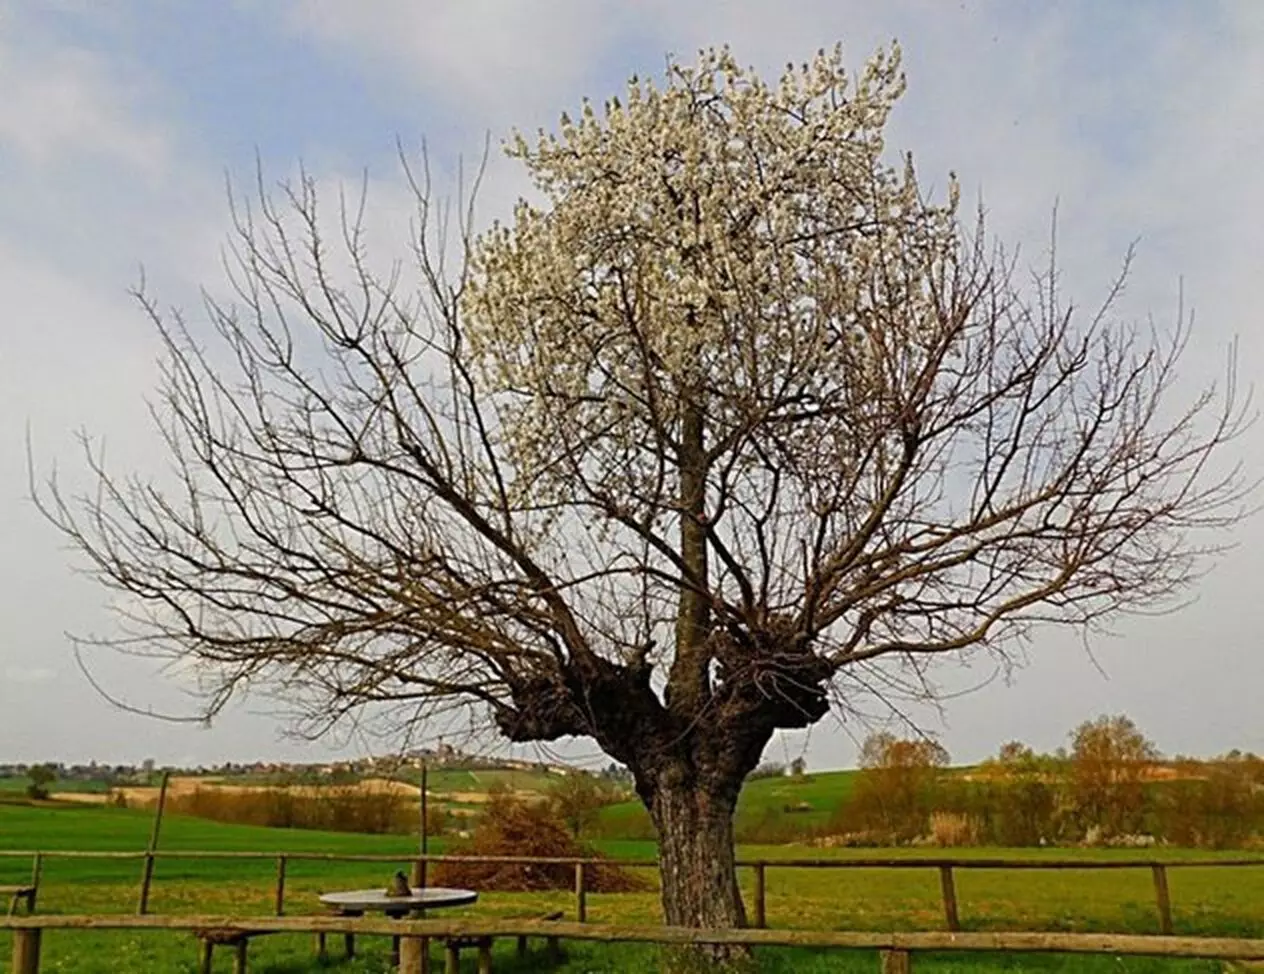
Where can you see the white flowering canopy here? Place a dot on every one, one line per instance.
(722, 242)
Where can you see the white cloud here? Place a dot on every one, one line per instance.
(68, 102)
(498, 63)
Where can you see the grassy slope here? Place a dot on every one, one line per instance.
(763, 796)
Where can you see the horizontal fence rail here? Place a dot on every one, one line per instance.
(945, 866)
(894, 948)
(927, 862)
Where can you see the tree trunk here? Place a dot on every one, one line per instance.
(696, 855)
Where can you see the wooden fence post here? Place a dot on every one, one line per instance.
(896, 961)
(949, 889)
(26, 951)
(1162, 897)
(414, 955)
(37, 867)
(280, 886)
(761, 911)
(146, 877)
(581, 895)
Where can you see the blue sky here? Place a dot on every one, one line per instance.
(119, 121)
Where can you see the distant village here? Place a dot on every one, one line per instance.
(407, 764)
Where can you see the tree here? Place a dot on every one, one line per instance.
(894, 792)
(1110, 763)
(1022, 799)
(577, 800)
(41, 776)
(735, 422)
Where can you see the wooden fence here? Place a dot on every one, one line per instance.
(895, 949)
(945, 867)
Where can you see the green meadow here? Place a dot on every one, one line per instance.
(1206, 900)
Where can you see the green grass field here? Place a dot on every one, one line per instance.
(18, 785)
(814, 798)
(1206, 900)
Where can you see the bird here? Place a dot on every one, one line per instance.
(399, 886)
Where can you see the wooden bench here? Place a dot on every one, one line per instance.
(454, 945)
(16, 895)
(237, 939)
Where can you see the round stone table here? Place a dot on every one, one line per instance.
(357, 902)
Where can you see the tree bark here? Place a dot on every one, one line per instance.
(694, 819)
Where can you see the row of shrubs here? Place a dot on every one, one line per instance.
(1221, 810)
(339, 808)
(1110, 788)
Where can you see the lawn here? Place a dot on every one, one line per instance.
(1205, 900)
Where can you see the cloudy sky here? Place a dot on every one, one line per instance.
(120, 122)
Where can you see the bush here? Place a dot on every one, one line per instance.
(512, 827)
(341, 808)
(1220, 808)
(948, 829)
(896, 790)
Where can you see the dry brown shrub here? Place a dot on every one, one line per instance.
(513, 827)
(334, 809)
(951, 829)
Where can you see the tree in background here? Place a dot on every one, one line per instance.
(1023, 797)
(1111, 761)
(894, 794)
(41, 776)
(1214, 804)
(577, 800)
(735, 423)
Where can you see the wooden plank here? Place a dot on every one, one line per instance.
(26, 951)
(452, 959)
(239, 956)
(761, 906)
(949, 889)
(207, 958)
(1162, 898)
(485, 956)
(1141, 945)
(861, 863)
(581, 894)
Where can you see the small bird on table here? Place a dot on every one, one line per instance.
(399, 886)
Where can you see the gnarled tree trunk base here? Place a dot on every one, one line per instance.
(698, 872)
